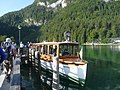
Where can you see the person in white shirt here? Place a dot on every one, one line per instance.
(21, 45)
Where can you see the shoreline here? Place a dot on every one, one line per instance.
(101, 44)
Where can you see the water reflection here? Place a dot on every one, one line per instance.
(102, 52)
(32, 81)
(103, 68)
(116, 48)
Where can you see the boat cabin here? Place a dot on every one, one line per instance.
(66, 51)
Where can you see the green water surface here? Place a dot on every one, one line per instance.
(103, 72)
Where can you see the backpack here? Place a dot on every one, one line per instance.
(7, 49)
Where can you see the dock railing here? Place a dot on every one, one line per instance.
(34, 61)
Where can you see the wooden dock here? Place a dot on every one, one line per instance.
(13, 82)
(26, 57)
(4, 82)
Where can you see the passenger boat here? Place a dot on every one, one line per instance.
(70, 64)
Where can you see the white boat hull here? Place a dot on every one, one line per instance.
(76, 73)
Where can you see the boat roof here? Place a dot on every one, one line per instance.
(56, 43)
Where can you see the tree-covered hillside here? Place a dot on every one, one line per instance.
(30, 19)
(34, 15)
(87, 20)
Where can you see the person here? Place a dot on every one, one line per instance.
(21, 45)
(7, 48)
(65, 53)
(8, 51)
(21, 48)
(13, 49)
(2, 55)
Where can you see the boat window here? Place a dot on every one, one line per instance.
(52, 50)
(40, 49)
(75, 50)
(68, 50)
(45, 49)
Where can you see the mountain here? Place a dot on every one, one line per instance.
(87, 20)
(37, 13)
(30, 19)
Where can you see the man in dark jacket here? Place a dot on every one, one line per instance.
(2, 55)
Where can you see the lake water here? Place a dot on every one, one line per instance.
(103, 72)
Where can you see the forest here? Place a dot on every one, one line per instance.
(87, 21)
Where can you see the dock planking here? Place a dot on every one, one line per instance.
(15, 77)
(4, 82)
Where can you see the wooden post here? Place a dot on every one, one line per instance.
(39, 64)
(28, 54)
(18, 50)
(36, 60)
(32, 56)
(18, 54)
(55, 84)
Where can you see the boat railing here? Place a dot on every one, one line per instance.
(63, 57)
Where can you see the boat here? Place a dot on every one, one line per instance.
(70, 64)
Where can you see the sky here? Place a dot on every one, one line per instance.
(13, 5)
